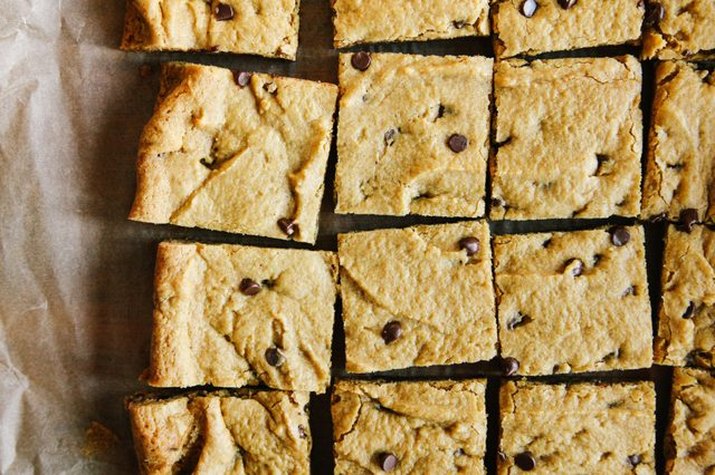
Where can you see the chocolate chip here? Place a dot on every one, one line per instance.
(654, 13)
(566, 4)
(689, 311)
(242, 78)
(634, 460)
(688, 218)
(301, 432)
(288, 226)
(528, 8)
(497, 202)
(390, 137)
(391, 331)
(517, 321)
(546, 243)
(440, 111)
(274, 357)
(619, 236)
(249, 287)
(457, 143)
(469, 244)
(525, 461)
(223, 12)
(361, 61)
(509, 366)
(387, 461)
(576, 266)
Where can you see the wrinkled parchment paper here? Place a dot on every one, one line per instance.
(76, 276)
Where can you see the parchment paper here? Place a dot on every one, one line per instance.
(76, 276)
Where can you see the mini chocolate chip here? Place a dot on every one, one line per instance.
(509, 366)
(689, 311)
(469, 244)
(546, 243)
(497, 202)
(223, 12)
(619, 236)
(528, 8)
(387, 461)
(390, 137)
(654, 13)
(274, 357)
(688, 218)
(301, 432)
(391, 331)
(242, 78)
(525, 461)
(577, 266)
(634, 460)
(288, 226)
(566, 4)
(457, 143)
(249, 287)
(517, 321)
(440, 111)
(361, 60)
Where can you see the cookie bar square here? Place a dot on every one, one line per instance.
(681, 145)
(409, 427)
(372, 21)
(232, 316)
(569, 138)
(531, 27)
(221, 432)
(571, 302)
(577, 428)
(418, 296)
(413, 134)
(679, 28)
(237, 152)
(261, 27)
(690, 445)
(686, 327)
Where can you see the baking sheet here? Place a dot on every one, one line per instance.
(76, 276)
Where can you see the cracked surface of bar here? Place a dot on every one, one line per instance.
(681, 145)
(577, 428)
(241, 432)
(429, 427)
(568, 138)
(235, 152)
(395, 123)
(264, 27)
(207, 330)
(420, 281)
(371, 21)
(572, 302)
(686, 326)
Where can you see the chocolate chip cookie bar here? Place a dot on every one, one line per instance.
(413, 134)
(686, 327)
(569, 138)
(681, 145)
(372, 21)
(409, 427)
(678, 29)
(690, 445)
(531, 27)
(237, 152)
(417, 296)
(232, 316)
(264, 27)
(222, 432)
(577, 428)
(571, 302)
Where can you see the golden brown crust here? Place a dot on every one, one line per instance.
(687, 30)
